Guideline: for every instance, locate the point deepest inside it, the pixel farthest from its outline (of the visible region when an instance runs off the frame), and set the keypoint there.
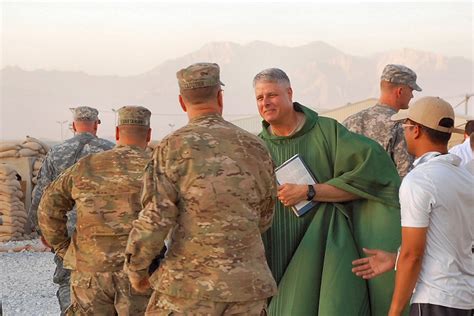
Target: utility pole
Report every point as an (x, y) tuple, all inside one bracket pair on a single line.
[(115, 116), (466, 102), (61, 125)]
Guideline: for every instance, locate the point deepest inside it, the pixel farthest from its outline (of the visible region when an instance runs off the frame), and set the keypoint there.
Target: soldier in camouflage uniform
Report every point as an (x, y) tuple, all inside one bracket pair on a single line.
[(213, 184), (397, 85), (59, 158), (106, 188)]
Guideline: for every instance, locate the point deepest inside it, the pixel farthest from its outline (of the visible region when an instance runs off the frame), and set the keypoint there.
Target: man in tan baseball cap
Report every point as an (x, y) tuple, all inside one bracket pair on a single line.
[(436, 214), (429, 122)]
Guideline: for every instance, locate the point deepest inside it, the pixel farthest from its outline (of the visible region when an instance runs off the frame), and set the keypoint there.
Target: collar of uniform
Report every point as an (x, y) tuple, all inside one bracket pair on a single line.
[(386, 106), (205, 117), (129, 147), (85, 133)]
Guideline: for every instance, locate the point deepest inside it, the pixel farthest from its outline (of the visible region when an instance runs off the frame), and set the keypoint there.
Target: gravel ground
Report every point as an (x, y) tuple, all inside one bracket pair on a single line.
[(26, 286)]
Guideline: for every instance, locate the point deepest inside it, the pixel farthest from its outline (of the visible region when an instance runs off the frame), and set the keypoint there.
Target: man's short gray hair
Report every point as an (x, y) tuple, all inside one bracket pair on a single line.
[(272, 75)]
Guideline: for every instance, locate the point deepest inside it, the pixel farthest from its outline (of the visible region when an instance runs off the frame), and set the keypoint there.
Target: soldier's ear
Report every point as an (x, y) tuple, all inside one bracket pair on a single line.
[(220, 100), (148, 136), (399, 90), (117, 133), (181, 102)]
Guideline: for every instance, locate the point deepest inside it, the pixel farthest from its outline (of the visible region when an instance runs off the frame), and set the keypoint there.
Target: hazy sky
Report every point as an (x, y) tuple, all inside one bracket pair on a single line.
[(108, 37), (131, 37)]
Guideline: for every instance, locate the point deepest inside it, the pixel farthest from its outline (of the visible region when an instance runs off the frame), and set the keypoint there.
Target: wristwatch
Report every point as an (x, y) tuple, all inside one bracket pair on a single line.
[(311, 192)]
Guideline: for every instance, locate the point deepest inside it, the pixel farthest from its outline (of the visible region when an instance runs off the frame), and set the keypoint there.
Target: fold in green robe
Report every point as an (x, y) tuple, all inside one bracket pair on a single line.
[(311, 256)]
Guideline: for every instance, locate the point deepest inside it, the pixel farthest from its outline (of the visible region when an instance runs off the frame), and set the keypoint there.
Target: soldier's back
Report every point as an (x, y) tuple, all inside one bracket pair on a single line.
[(65, 154), (374, 123), (225, 180), (106, 188)]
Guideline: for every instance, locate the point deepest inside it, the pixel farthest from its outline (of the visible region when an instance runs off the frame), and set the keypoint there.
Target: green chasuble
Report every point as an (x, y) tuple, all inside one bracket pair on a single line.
[(311, 256)]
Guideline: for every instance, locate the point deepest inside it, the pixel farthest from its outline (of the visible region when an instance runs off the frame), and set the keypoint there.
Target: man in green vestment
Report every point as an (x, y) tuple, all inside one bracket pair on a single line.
[(357, 194)]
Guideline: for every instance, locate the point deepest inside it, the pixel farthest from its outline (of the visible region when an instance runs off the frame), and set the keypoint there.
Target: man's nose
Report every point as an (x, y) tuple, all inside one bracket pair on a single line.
[(266, 100)]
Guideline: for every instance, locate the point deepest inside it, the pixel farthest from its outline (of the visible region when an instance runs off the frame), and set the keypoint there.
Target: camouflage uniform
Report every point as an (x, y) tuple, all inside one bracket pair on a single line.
[(375, 123), (162, 304), (214, 185), (106, 188), (56, 161)]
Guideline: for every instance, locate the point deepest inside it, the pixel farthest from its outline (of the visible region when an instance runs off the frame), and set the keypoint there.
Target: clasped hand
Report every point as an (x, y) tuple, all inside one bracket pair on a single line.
[(290, 194)]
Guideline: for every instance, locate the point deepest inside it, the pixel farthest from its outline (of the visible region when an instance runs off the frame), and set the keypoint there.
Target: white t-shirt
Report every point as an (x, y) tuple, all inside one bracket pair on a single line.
[(438, 194), (464, 151)]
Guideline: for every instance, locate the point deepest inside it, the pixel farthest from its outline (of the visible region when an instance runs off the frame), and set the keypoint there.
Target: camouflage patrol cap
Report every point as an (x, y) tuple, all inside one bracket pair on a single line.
[(85, 113), (400, 74), (199, 75), (134, 115)]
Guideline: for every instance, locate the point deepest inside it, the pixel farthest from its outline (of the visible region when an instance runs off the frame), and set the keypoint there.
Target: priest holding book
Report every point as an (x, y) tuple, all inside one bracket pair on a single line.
[(357, 204)]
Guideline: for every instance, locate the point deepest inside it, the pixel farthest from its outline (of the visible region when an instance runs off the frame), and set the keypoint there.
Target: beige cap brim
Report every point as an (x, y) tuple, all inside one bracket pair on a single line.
[(401, 115)]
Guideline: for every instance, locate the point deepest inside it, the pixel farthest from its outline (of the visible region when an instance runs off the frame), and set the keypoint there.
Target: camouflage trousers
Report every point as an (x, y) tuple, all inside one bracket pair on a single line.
[(105, 293), (62, 278), (164, 305), (61, 275)]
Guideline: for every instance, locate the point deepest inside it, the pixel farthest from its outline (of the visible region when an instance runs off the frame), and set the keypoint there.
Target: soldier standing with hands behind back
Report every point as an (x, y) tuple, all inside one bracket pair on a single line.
[(214, 185), (106, 189), (59, 158)]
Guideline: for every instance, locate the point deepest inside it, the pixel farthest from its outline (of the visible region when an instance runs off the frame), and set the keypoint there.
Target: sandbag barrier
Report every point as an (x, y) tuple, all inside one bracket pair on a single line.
[(13, 215), (30, 147)]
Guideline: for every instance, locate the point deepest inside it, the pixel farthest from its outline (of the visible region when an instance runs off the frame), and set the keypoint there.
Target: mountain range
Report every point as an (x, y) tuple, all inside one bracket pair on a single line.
[(322, 77)]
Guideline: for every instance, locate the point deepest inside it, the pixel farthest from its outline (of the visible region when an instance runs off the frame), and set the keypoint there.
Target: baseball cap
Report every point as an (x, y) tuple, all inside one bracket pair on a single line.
[(429, 111)]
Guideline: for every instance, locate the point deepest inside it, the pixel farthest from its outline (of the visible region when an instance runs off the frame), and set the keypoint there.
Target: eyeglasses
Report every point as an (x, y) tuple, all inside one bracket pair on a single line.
[(404, 125)]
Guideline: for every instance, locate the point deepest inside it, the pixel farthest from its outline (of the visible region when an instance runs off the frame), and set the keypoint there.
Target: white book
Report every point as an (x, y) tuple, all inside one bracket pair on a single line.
[(295, 171)]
